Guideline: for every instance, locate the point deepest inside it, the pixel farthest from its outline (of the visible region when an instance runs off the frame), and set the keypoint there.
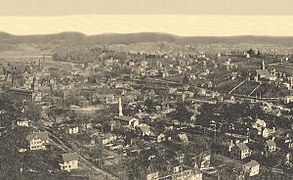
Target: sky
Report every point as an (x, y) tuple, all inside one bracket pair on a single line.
[(181, 17)]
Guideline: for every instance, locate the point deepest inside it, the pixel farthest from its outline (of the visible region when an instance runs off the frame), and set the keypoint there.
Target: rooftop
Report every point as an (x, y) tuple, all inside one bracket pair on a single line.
[(263, 72), (242, 146), (42, 135), (69, 157), (270, 143), (251, 163), (124, 118)]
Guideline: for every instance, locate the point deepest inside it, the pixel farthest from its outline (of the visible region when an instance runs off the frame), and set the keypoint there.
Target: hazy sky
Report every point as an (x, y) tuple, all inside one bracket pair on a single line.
[(69, 7), (181, 17)]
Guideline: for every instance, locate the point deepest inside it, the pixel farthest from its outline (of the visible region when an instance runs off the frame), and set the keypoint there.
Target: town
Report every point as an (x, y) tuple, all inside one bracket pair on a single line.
[(148, 111)]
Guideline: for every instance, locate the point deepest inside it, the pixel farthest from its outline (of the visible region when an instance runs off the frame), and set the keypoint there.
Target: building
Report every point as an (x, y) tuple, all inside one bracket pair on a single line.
[(264, 74), (183, 137), (24, 94), (190, 174), (240, 151), (288, 99), (285, 142), (252, 168), (23, 123), (69, 162), (145, 129), (270, 146), (104, 139), (131, 122), (20, 94), (152, 175), (259, 125), (38, 140), (266, 133), (108, 98), (72, 130)]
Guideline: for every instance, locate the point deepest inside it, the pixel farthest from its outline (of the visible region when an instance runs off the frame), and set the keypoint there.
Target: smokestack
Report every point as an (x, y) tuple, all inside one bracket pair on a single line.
[(120, 107)]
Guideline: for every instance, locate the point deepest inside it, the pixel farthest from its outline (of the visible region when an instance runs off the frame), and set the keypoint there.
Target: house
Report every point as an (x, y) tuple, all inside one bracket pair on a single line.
[(108, 98), (270, 146), (205, 160), (190, 174), (104, 139), (285, 142), (288, 99), (161, 137), (259, 125), (23, 123), (152, 175), (131, 122), (72, 129), (145, 129), (183, 137), (265, 133), (225, 147), (69, 162), (38, 140), (252, 168), (240, 151)]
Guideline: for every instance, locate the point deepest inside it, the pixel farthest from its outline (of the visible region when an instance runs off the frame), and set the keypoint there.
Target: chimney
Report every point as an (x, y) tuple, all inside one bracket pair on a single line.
[(120, 107)]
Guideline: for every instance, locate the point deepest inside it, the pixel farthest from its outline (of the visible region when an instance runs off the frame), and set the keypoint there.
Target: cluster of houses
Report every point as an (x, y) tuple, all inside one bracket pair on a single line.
[(40, 141)]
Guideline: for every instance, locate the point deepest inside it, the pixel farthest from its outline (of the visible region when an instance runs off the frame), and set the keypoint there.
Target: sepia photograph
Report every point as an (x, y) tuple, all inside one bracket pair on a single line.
[(146, 90)]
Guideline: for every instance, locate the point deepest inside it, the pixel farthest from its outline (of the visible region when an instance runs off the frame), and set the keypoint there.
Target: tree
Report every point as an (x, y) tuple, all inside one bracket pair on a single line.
[(185, 79), (33, 112), (150, 104), (182, 114)]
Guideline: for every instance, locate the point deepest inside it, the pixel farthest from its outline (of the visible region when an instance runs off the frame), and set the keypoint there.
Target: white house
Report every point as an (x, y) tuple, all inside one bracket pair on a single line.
[(72, 130), (252, 168), (69, 162), (23, 123), (145, 129), (38, 140)]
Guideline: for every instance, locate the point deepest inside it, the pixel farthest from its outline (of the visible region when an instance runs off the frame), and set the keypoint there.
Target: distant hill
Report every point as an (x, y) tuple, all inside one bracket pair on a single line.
[(113, 38), (21, 45)]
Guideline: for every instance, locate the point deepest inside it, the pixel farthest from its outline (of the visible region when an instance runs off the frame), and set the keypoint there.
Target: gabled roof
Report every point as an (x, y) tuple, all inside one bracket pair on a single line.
[(270, 143), (124, 118), (263, 72), (252, 163), (183, 136), (69, 157), (145, 128), (42, 135), (242, 146)]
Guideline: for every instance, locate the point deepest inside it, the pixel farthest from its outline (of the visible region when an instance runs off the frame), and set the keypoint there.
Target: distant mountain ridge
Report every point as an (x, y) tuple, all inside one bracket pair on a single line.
[(76, 38)]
